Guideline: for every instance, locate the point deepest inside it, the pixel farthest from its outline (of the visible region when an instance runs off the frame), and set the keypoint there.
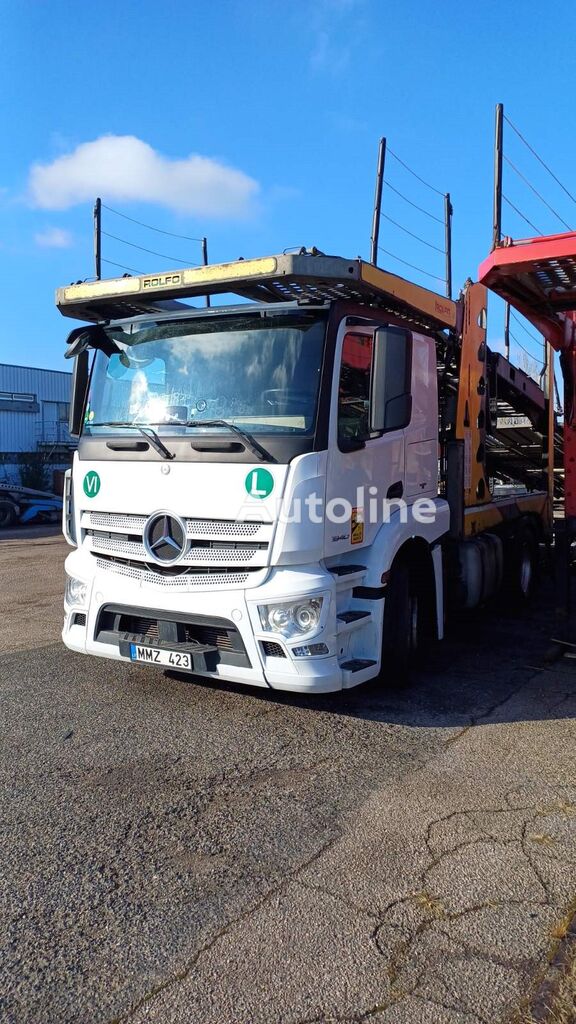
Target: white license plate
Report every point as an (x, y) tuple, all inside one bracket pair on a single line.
[(156, 656)]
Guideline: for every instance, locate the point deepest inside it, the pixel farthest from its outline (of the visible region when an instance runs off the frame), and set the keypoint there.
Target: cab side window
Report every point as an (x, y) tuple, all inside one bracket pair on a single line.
[(355, 387)]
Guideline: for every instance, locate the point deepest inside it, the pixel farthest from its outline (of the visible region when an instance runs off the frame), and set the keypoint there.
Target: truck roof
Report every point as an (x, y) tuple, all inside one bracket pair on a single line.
[(307, 278)]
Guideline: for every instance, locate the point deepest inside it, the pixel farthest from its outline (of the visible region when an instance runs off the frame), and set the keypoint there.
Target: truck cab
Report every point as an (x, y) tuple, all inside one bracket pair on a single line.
[(261, 491)]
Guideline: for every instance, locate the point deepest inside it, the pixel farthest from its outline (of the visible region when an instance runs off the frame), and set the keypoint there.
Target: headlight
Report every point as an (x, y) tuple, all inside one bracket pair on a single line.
[(291, 618), (76, 591)]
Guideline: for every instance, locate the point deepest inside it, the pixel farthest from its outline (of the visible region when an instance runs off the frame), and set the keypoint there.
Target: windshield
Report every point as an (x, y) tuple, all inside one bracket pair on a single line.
[(260, 373)]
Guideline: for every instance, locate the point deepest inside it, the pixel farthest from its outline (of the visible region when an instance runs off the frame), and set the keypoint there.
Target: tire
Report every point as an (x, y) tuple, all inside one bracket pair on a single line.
[(7, 513), (404, 616), (524, 566)]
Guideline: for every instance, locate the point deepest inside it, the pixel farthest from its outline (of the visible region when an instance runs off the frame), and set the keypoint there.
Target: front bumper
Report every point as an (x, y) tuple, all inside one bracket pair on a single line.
[(302, 675)]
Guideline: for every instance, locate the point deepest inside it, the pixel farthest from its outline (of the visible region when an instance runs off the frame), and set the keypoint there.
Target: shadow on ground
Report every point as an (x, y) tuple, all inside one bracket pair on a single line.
[(485, 658)]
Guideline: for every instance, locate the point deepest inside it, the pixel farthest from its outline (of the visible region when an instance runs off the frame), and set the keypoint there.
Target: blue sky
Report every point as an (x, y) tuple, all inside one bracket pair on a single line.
[(257, 124)]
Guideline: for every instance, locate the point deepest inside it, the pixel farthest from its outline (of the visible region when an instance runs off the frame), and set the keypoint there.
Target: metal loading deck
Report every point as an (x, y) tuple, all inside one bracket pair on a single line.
[(512, 446), (515, 452), (537, 276), (516, 441), (308, 278)]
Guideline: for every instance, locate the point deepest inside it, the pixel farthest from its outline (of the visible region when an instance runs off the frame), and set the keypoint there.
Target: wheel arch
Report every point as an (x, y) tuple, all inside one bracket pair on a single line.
[(425, 562)]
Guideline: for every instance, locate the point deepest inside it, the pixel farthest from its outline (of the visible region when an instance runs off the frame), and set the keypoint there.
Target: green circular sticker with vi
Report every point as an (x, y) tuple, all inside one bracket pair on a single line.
[(91, 484), (259, 483)]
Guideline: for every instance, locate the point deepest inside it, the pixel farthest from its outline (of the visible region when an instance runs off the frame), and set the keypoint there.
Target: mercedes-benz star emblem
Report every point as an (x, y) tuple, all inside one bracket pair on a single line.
[(165, 538)]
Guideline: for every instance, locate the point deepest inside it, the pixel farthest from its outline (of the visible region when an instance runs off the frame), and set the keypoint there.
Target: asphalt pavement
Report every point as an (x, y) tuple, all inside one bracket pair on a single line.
[(179, 852)]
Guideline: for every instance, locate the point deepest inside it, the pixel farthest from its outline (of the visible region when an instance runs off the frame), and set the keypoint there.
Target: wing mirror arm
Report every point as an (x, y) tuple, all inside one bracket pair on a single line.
[(83, 338)]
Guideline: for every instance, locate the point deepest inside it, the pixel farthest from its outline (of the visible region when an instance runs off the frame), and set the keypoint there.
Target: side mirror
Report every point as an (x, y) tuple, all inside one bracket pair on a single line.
[(79, 389), (378, 403), (391, 404), (398, 412)]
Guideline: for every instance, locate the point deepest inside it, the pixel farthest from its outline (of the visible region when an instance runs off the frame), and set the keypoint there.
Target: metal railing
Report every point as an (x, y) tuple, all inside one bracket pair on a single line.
[(51, 434)]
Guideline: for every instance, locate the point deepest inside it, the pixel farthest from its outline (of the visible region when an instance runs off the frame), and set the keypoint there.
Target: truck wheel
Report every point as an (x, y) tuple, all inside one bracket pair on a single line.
[(524, 565), (403, 624), (7, 513)]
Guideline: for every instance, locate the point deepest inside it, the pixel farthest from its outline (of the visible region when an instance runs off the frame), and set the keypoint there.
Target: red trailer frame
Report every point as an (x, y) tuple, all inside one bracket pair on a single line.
[(537, 276)]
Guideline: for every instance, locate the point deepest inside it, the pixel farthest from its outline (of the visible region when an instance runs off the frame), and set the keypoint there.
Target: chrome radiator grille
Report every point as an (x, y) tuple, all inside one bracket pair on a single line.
[(186, 579), (218, 552), (127, 523)]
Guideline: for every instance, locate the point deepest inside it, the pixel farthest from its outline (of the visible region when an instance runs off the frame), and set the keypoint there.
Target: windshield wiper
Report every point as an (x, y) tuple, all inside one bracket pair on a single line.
[(250, 442), (148, 433), (155, 441)]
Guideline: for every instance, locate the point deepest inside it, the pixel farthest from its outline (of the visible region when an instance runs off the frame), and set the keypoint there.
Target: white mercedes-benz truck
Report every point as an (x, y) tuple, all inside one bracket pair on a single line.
[(290, 491)]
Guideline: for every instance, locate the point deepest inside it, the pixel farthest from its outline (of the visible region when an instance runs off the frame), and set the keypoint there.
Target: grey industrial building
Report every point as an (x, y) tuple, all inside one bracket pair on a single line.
[(34, 405)]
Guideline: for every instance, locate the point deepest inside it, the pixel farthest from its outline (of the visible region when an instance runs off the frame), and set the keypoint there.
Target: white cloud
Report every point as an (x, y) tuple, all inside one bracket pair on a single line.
[(53, 238), (124, 168)]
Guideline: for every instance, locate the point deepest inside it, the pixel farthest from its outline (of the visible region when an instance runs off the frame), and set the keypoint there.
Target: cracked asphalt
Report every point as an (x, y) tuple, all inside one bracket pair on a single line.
[(174, 851)]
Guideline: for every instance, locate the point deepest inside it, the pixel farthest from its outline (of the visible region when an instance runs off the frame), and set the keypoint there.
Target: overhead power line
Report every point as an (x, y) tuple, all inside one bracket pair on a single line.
[(123, 267), (539, 158), (162, 255), (412, 235), (413, 173), (415, 205), (536, 192), (161, 231), (524, 328), (520, 214), (530, 354), (414, 267)]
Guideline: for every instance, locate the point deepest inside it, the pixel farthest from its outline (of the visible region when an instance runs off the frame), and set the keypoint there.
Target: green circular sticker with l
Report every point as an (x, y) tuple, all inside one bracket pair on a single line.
[(91, 484), (259, 483)]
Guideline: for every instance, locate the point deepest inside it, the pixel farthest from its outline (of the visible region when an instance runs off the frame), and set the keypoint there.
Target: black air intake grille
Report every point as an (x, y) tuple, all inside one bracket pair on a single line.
[(170, 629), (272, 650)]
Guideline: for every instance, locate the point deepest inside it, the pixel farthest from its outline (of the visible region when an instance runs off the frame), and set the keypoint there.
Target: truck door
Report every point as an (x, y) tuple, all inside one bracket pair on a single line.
[(366, 465)]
